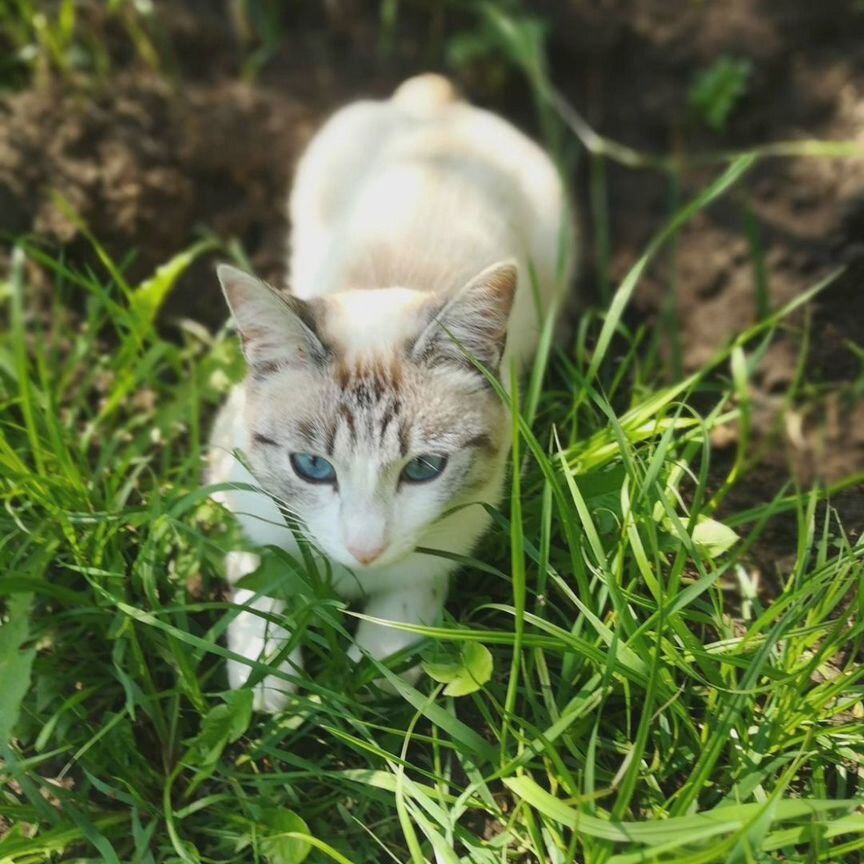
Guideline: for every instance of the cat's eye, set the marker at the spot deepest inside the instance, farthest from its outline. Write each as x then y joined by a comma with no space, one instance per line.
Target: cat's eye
313,469
424,468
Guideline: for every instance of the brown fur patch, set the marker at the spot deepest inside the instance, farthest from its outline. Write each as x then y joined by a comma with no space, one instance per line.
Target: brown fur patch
390,412
404,436
374,375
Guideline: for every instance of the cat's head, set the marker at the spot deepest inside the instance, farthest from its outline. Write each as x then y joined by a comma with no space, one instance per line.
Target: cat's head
366,420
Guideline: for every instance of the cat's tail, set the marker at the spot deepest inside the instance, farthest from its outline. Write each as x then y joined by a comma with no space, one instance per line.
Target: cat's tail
426,93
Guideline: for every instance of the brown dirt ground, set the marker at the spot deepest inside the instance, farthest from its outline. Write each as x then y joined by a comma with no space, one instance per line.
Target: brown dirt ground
150,162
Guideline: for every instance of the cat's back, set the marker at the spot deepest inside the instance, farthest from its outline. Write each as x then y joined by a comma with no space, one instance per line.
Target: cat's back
421,188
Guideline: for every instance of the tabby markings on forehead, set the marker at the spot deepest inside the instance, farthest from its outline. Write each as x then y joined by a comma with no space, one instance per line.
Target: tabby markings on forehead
392,409
387,412
403,438
330,445
365,385
376,373
347,415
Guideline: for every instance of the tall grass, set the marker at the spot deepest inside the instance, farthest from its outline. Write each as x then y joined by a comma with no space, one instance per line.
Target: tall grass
629,716
628,695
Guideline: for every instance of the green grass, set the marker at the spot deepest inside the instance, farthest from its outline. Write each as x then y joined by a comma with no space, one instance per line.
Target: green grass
631,714
69,37
646,703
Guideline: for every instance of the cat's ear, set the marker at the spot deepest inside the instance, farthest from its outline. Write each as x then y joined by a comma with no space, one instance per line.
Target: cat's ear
276,330
474,321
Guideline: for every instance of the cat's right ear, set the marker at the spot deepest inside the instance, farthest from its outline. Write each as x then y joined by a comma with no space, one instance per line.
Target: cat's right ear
276,330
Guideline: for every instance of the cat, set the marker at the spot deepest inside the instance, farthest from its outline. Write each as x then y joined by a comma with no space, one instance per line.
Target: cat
418,224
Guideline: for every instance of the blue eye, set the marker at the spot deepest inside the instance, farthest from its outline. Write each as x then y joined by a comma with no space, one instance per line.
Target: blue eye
424,468
313,469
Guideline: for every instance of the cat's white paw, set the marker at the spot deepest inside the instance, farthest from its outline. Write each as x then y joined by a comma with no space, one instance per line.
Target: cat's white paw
355,655
271,694
256,637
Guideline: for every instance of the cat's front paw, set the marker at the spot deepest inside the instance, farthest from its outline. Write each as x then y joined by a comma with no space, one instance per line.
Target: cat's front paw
271,694
252,634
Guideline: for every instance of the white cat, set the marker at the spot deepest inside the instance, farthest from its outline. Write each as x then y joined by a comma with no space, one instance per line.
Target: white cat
416,223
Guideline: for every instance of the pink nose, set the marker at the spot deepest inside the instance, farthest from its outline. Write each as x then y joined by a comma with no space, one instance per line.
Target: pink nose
366,555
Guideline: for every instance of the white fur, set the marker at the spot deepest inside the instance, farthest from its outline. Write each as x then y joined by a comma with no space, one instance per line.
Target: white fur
369,179
364,320
396,205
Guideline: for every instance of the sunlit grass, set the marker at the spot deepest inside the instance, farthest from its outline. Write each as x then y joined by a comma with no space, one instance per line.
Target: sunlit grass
626,694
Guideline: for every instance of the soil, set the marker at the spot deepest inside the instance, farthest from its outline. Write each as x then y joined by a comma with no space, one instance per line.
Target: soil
151,161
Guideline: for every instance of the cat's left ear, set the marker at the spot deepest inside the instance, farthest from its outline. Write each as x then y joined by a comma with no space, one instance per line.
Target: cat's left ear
472,322
276,330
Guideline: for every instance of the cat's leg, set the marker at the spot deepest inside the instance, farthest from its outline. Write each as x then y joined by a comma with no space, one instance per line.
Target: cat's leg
418,602
257,638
